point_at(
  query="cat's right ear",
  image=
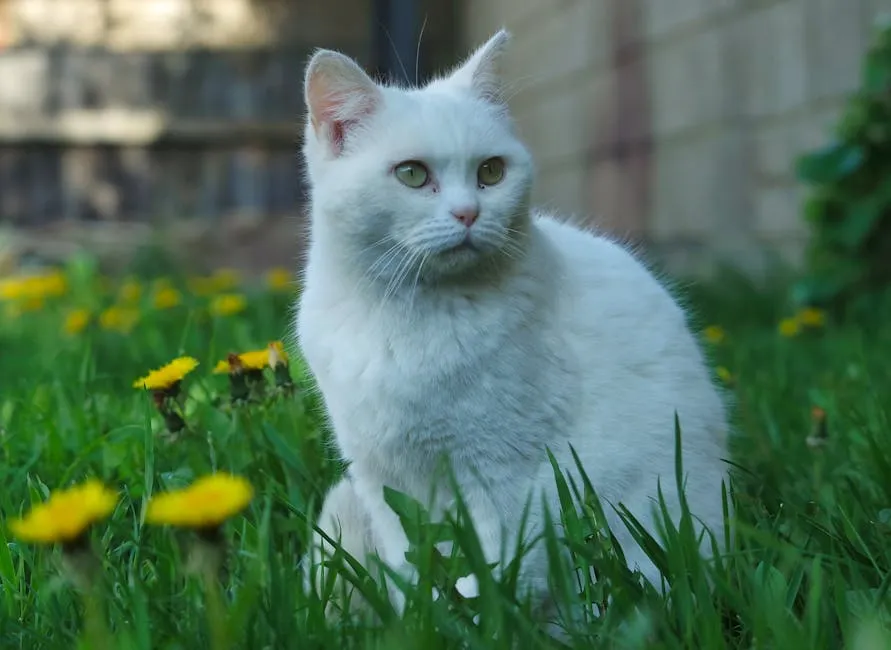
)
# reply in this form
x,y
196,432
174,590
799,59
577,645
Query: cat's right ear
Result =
x,y
481,72
338,96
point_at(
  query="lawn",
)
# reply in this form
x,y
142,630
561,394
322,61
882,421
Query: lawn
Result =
x,y
810,567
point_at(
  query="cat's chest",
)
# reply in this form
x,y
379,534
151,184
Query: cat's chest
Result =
x,y
360,352
412,389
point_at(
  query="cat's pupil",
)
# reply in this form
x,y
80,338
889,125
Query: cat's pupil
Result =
x,y
490,172
412,174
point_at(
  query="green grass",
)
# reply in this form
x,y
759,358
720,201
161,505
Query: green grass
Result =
x,y
810,567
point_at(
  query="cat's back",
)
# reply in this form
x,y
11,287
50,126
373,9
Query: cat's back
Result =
x,y
605,290
637,359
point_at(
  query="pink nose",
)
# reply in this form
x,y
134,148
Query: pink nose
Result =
x,y
467,216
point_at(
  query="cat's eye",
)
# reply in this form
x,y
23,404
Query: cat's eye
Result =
x,y
490,172
412,174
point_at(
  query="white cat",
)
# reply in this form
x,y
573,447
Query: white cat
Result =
x,y
442,317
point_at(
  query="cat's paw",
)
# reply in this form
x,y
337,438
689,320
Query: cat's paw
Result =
x,y
468,586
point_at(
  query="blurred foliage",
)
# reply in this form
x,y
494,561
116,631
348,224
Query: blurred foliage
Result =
x,y
849,203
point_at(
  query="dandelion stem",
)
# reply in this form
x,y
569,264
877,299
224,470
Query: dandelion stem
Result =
x,y
83,569
216,615
95,629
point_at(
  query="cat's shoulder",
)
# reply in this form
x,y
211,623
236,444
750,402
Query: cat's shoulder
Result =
x,y
602,268
589,249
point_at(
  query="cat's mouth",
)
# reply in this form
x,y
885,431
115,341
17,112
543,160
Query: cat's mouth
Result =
x,y
463,249
466,245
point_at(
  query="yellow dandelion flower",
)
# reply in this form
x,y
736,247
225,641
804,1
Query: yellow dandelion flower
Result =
x,y
166,298
228,304
200,286
35,288
207,503
76,321
54,284
10,288
714,334
279,279
167,376
256,359
277,354
789,327
130,292
812,317
724,374
218,282
119,319
278,361
225,279
221,368
31,304
66,515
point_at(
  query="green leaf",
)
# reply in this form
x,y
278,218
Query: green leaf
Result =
x,y
818,208
830,164
771,584
859,221
877,72
413,516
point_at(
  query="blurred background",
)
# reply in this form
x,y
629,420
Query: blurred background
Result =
x,y
673,123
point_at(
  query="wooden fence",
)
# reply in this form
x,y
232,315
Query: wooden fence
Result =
x,y
119,119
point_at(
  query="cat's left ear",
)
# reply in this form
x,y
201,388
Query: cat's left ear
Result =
x,y
339,95
481,72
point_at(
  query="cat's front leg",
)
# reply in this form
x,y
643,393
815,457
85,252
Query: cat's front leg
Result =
x,y
487,522
344,520
389,534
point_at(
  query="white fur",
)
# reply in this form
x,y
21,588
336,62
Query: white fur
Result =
x,y
542,336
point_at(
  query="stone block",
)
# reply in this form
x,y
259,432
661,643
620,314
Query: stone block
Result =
x,y
777,211
482,19
556,125
25,81
787,249
619,190
662,17
837,40
876,11
689,84
560,189
700,185
777,144
769,55
79,22
556,47
621,108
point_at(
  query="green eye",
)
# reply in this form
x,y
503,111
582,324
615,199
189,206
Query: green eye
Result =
x,y
490,172
412,174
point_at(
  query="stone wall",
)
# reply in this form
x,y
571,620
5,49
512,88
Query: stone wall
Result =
x,y
676,122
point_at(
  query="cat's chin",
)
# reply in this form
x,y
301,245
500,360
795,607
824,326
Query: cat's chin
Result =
x,y
454,260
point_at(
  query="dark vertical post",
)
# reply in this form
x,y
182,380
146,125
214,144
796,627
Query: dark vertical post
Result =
x,y
396,39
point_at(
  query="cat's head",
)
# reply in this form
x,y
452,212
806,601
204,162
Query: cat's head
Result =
x,y
416,183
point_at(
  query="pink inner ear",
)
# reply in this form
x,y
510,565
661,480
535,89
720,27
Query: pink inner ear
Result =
x,y
330,112
338,131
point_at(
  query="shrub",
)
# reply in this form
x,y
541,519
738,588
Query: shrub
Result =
x,y
849,202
